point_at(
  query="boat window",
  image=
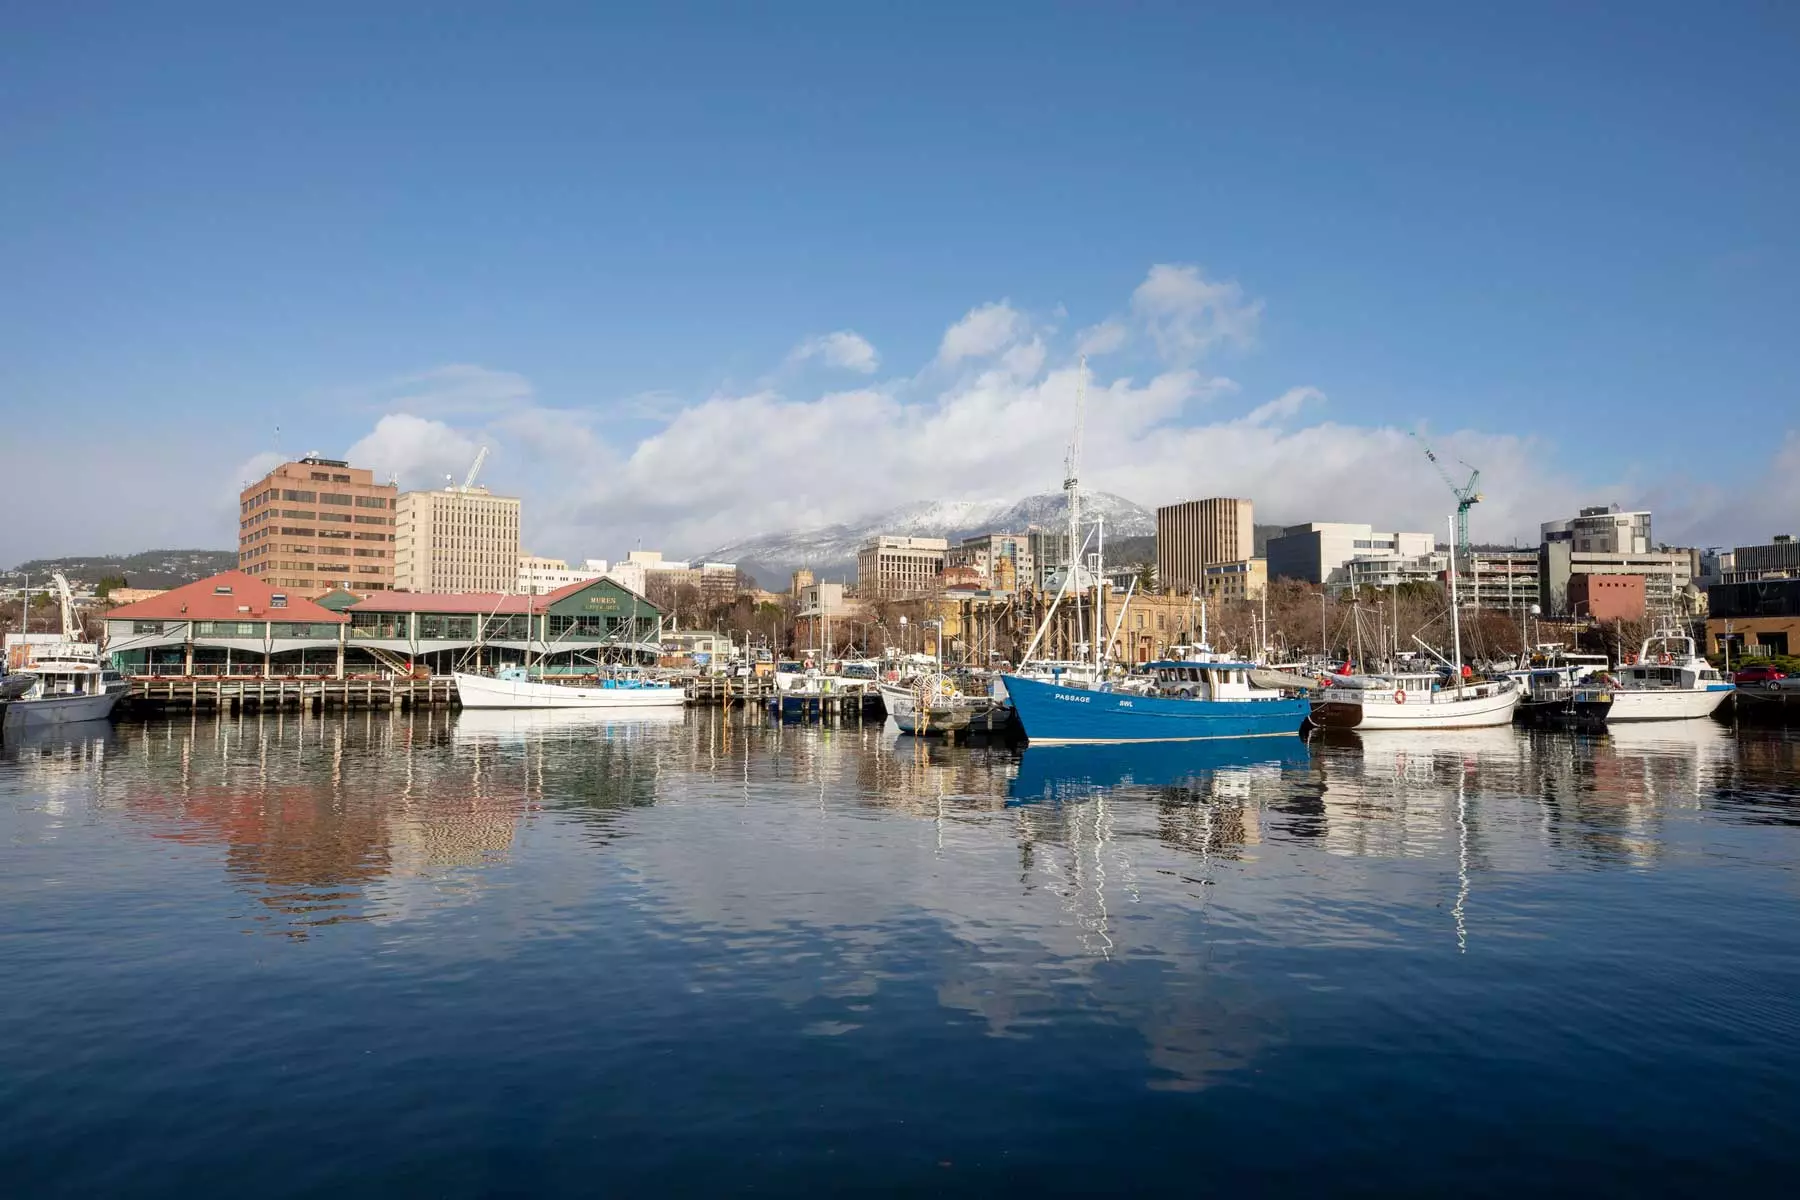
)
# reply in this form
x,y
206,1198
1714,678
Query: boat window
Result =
x,y
1192,674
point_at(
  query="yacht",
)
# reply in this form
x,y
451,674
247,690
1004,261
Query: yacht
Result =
x,y
1666,681
514,687
69,682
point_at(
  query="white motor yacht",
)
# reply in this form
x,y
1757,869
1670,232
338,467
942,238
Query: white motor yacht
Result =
x,y
1667,681
70,682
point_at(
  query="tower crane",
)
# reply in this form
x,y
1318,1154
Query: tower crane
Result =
x,y
480,458
1467,496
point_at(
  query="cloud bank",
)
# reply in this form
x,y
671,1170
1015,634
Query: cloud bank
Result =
x,y
990,414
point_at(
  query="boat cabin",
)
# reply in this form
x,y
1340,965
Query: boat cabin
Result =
x,y
1668,660
1206,680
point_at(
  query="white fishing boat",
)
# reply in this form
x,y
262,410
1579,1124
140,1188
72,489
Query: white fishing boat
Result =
x,y
70,682
514,687
1668,681
1419,701
1416,702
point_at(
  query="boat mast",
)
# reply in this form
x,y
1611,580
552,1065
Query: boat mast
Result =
x,y
1100,591
1072,485
1455,621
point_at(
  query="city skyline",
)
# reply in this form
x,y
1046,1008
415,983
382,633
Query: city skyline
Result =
x,y
743,280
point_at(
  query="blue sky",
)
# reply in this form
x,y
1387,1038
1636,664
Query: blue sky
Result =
x,y
1562,238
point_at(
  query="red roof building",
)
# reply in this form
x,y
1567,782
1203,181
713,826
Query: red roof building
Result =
x,y
231,596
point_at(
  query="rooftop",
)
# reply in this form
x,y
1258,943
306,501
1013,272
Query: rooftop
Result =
x,y
228,596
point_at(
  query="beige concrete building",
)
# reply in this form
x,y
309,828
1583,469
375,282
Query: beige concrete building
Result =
x,y
900,566
317,524
1201,533
456,540
539,576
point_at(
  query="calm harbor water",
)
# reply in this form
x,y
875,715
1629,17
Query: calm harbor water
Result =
x,y
492,954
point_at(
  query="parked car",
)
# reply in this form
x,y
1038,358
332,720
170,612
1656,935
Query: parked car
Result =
x,y
1758,675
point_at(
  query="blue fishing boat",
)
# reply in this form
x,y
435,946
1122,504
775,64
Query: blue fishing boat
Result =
x,y
1174,701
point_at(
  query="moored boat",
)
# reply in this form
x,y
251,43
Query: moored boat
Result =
x,y
1667,682
1185,701
1417,702
513,687
69,682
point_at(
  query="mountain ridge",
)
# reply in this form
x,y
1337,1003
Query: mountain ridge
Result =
x,y
830,550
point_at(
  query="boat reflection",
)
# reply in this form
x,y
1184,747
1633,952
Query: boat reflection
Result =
x,y
1065,772
526,725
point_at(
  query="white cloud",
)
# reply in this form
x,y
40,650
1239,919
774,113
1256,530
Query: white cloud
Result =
x,y
1105,338
1187,314
452,390
418,451
845,348
982,332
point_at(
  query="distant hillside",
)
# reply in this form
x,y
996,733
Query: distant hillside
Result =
x,y
147,569
831,550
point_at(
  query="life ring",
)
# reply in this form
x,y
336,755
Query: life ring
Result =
x,y
1399,695
1631,660
1664,659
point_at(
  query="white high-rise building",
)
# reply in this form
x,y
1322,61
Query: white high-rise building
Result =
x,y
456,540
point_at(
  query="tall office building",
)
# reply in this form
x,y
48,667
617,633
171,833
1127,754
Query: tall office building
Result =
x,y
1202,533
887,565
317,524
456,540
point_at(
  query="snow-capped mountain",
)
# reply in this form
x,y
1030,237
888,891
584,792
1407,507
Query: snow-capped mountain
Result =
x,y
830,550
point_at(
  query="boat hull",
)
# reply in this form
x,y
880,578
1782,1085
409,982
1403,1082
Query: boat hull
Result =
x,y
479,691
1368,708
1665,704
1051,714
62,710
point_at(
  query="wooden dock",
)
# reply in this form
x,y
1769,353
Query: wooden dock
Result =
x,y
313,694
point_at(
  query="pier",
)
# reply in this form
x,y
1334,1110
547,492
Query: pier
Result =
x,y
315,693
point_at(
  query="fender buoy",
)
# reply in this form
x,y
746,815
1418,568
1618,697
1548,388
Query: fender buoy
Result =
x,y
1399,695
1664,658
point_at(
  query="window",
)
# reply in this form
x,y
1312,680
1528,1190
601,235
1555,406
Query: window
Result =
x,y
322,476
303,497
340,479
342,518
224,589
146,627
333,498
304,514
371,502
297,531
278,600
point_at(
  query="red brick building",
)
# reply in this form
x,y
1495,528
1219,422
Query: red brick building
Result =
x,y
1607,597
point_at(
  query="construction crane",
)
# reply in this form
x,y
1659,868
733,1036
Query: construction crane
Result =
x,y
480,457
71,624
1466,495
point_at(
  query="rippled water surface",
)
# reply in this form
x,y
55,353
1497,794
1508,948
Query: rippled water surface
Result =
x,y
494,954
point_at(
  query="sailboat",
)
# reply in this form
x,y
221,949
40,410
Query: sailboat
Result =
x,y
1419,701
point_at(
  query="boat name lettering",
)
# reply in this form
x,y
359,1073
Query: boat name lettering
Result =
x,y
1072,699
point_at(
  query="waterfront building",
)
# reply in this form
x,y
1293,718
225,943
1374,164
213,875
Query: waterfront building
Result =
x,y
315,524
1382,571
1606,598
237,624
539,576
1197,534
233,623
1779,559
888,565
1754,618
825,611
1000,560
1242,580
1506,580
1602,529
1049,551
457,539
799,582
1668,577
1318,552
716,582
